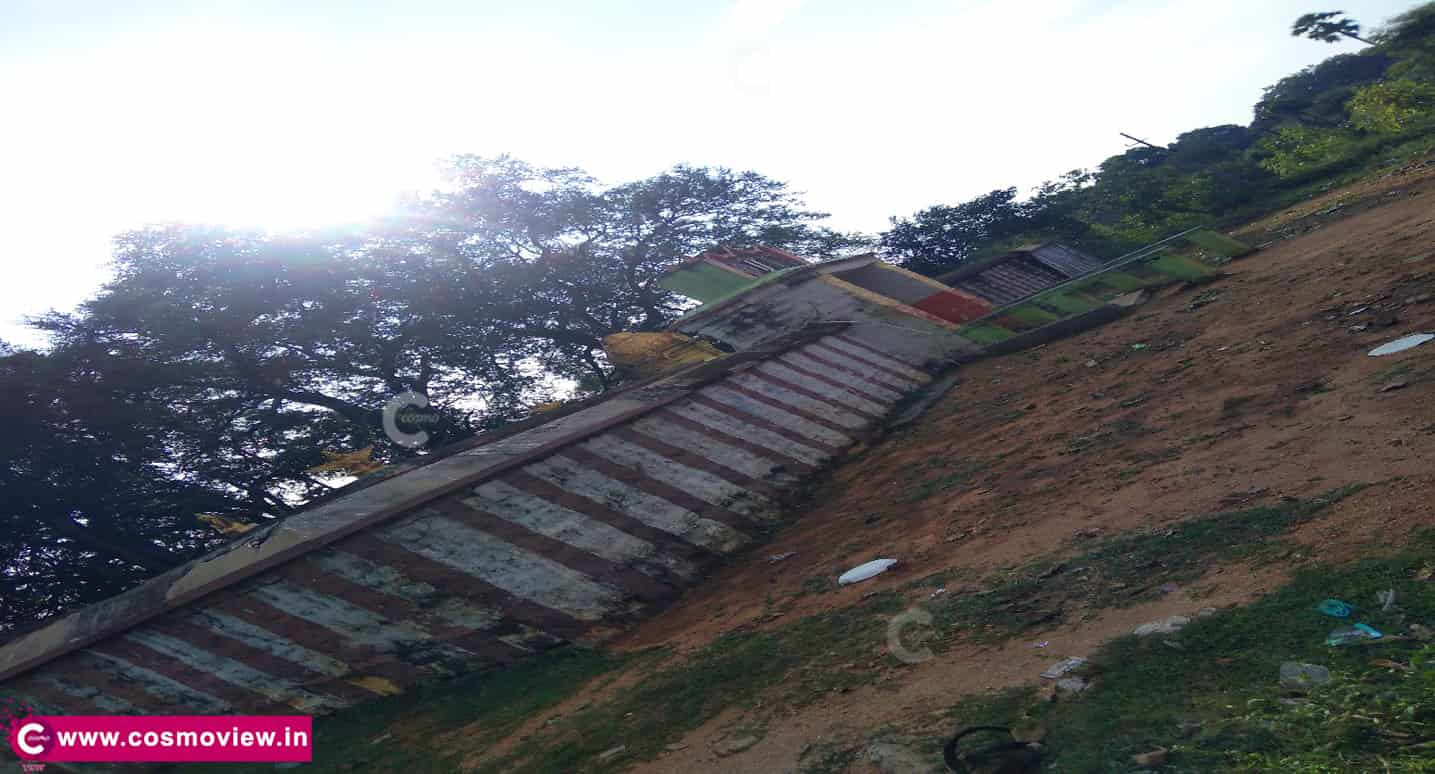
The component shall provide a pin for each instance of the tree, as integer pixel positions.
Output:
(91, 503)
(941, 237)
(1410, 38)
(1327, 27)
(1317, 94)
(1393, 107)
(221, 369)
(562, 262)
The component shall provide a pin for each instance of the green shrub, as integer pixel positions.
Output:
(1393, 107)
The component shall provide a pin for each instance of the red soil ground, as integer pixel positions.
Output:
(1207, 399)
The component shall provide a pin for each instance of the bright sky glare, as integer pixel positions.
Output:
(290, 113)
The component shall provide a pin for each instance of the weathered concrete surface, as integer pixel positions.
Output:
(568, 531)
(818, 294)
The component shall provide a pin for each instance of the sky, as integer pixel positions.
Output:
(285, 114)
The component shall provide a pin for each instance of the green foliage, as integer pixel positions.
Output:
(227, 362)
(1306, 126)
(1410, 37)
(1298, 151)
(1317, 94)
(91, 506)
(940, 237)
(1327, 27)
(1221, 681)
(1393, 107)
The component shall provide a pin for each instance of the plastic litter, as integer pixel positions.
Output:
(1296, 675)
(1064, 667)
(1357, 633)
(1335, 608)
(864, 571)
(1401, 344)
(1168, 625)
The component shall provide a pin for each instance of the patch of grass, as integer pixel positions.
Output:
(789, 667)
(828, 759)
(495, 703)
(1215, 703)
(816, 584)
(955, 474)
(1123, 569)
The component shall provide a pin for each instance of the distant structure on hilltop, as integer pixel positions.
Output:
(1024, 271)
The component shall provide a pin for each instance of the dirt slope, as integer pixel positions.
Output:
(1252, 394)
(1243, 392)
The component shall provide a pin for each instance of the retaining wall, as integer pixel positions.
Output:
(566, 532)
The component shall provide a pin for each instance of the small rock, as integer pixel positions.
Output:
(1398, 384)
(1206, 612)
(608, 755)
(1028, 731)
(1154, 759)
(676, 747)
(1072, 685)
(1169, 588)
(893, 758)
(1064, 667)
(1297, 675)
(734, 745)
(775, 558)
(1091, 364)
(1359, 328)
(1169, 625)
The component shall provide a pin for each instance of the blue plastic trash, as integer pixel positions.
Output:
(1335, 608)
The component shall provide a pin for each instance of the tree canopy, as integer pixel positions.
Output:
(1327, 118)
(1327, 27)
(221, 369)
